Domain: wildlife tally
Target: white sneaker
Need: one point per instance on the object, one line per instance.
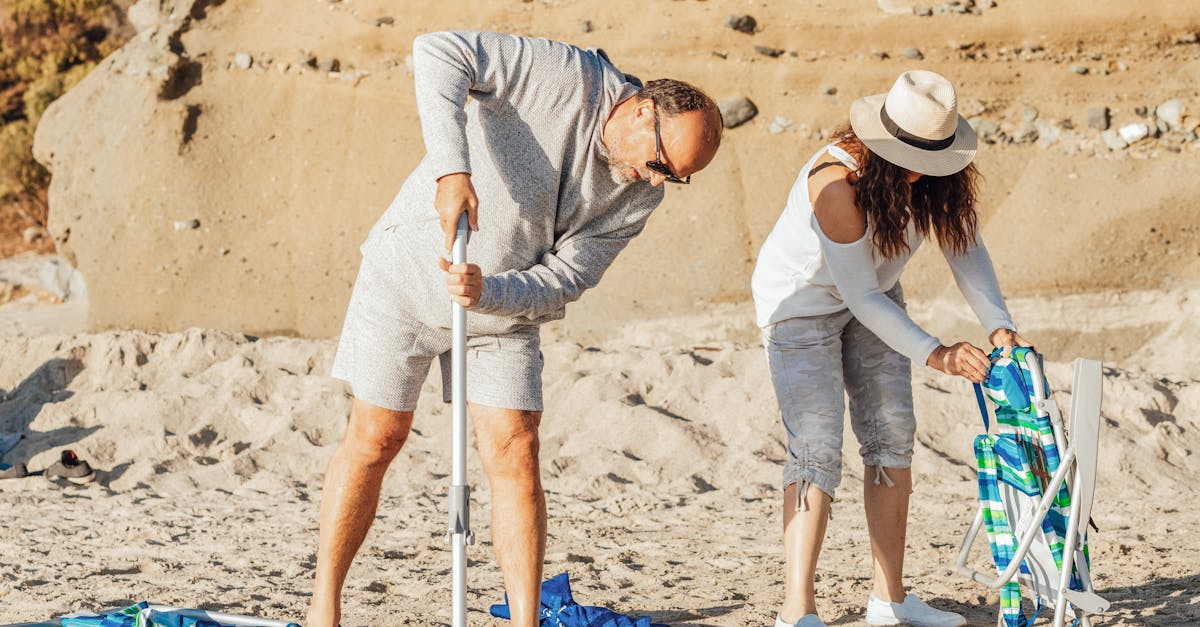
(912, 611)
(808, 620)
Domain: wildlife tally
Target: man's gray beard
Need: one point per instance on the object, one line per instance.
(617, 170)
(620, 173)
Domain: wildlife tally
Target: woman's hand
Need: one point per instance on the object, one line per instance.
(962, 359)
(1007, 339)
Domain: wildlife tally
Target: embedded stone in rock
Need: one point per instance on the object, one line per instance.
(62, 279)
(1048, 133)
(243, 60)
(1098, 118)
(896, 7)
(1134, 132)
(736, 111)
(1025, 133)
(913, 53)
(985, 128)
(35, 233)
(1113, 140)
(1171, 112)
(769, 51)
(742, 23)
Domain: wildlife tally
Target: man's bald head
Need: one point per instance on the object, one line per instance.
(673, 98)
(689, 126)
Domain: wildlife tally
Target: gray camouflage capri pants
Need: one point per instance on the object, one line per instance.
(814, 361)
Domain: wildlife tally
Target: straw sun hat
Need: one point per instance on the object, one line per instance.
(916, 125)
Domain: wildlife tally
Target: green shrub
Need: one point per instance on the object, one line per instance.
(20, 174)
(46, 47)
(43, 37)
(47, 89)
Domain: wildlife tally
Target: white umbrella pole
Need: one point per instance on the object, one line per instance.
(459, 533)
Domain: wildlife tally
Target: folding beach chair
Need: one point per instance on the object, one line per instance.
(1036, 488)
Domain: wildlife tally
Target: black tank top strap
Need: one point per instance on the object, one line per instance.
(822, 166)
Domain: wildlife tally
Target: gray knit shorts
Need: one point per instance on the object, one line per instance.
(385, 355)
(816, 360)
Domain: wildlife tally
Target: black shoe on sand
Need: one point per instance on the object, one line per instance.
(15, 471)
(71, 468)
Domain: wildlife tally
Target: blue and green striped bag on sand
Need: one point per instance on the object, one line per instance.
(1022, 455)
(142, 615)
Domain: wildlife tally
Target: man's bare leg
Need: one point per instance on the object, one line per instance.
(508, 447)
(349, 499)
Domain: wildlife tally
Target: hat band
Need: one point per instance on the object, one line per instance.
(912, 140)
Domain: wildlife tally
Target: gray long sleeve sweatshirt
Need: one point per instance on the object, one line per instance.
(551, 218)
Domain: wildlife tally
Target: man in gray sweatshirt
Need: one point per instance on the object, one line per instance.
(558, 161)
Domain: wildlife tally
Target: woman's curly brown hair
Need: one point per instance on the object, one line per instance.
(941, 205)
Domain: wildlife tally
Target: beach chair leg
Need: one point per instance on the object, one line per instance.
(1069, 555)
(965, 550)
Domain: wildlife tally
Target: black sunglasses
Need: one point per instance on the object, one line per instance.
(657, 165)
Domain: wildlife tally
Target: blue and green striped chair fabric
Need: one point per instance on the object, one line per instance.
(1023, 455)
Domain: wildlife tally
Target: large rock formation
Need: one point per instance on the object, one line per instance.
(221, 169)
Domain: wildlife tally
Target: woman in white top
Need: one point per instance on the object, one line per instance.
(827, 295)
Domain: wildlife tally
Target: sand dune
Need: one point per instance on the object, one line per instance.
(662, 454)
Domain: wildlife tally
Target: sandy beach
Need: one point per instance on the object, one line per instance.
(662, 457)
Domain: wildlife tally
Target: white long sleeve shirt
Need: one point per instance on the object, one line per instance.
(800, 272)
(551, 218)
